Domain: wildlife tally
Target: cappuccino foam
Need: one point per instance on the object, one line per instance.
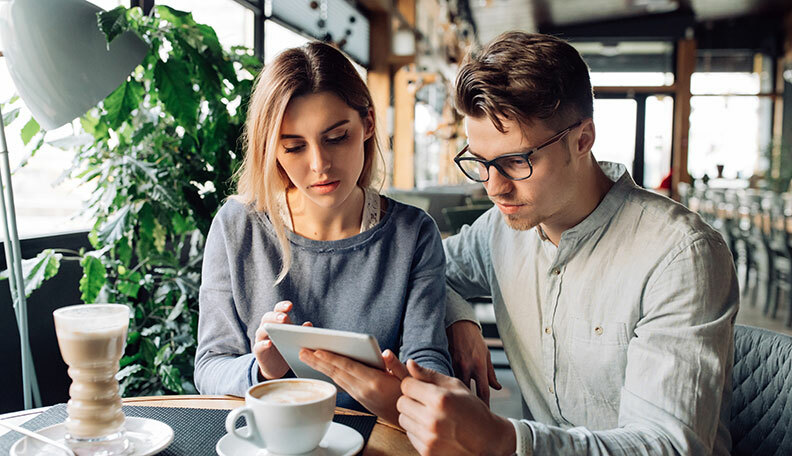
(295, 392)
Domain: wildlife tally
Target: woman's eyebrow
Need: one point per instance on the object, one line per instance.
(335, 125)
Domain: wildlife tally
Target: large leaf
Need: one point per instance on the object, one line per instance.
(29, 130)
(93, 279)
(120, 104)
(112, 23)
(174, 87)
(171, 378)
(127, 371)
(37, 270)
(175, 17)
(114, 228)
(130, 285)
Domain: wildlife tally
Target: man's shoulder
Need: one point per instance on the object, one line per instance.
(665, 218)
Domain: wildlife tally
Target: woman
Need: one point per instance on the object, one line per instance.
(307, 240)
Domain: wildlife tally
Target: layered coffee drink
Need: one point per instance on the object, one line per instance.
(293, 392)
(91, 339)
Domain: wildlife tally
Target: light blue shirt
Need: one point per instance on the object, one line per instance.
(621, 338)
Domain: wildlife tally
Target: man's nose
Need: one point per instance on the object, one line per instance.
(320, 160)
(497, 184)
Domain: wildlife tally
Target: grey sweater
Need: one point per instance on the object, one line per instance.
(387, 281)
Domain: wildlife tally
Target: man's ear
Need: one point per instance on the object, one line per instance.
(585, 138)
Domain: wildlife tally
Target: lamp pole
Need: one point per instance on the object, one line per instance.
(16, 277)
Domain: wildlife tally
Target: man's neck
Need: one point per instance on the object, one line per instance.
(593, 188)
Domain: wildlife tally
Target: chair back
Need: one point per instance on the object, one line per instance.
(761, 405)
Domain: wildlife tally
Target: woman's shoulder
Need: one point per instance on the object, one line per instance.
(406, 216)
(235, 210)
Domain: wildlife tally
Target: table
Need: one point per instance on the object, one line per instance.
(385, 439)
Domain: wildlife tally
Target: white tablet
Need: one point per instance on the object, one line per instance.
(289, 339)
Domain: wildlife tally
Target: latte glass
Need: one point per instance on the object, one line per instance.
(91, 338)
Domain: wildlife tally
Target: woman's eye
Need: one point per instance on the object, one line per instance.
(293, 149)
(338, 139)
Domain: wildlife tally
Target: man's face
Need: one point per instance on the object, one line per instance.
(543, 196)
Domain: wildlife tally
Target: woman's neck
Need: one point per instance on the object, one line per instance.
(325, 224)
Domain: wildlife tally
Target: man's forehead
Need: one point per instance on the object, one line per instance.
(483, 134)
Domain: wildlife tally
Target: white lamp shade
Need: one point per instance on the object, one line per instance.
(58, 57)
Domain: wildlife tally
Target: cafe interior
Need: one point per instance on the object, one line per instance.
(694, 97)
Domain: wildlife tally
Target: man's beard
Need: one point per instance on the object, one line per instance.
(518, 223)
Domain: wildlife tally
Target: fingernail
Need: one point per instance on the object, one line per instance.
(281, 317)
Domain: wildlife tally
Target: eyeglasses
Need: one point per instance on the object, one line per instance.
(515, 166)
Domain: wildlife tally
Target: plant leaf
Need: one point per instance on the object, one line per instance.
(171, 378)
(127, 371)
(112, 23)
(172, 79)
(130, 285)
(93, 279)
(38, 270)
(175, 17)
(10, 116)
(114, 228)
(29, 130)
(120, 104)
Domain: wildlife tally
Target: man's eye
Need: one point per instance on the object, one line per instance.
(516, 162)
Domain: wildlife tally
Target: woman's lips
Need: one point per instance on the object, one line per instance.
(325, 187)
(508, 208)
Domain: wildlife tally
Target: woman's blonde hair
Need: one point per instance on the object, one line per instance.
(313, 68)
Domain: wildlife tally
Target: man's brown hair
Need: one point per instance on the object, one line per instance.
(524, 77)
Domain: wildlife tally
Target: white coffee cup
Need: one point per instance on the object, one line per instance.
(287, 416)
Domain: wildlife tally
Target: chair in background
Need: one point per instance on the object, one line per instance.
(761, 405)
(459, 216)
(780, 259)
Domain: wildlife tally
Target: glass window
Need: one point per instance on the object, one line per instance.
(658, 139)
(615, 122)
(278, 38)
(44, 204)
(233, 23)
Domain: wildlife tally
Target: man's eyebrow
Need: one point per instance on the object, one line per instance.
(335, 125)
(524, 150)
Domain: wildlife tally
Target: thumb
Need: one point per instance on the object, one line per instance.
(423, 374)
(395, 366)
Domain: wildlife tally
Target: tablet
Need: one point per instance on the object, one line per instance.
(289, 339)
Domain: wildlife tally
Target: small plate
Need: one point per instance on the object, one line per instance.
(340, 440)
(146, 436)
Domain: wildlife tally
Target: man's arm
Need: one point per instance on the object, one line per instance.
(678, 364)
(467, 276)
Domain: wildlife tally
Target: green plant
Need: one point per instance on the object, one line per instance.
(161, 151)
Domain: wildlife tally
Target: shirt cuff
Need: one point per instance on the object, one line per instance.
(457, 309)
(524, 438)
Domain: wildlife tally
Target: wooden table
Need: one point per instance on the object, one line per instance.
(385, 439)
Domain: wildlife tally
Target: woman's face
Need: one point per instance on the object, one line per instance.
(321, 147)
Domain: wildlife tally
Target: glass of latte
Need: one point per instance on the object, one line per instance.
(91, 338)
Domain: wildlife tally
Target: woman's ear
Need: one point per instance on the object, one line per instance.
(369, 123)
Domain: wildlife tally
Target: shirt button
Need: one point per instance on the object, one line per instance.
(598, 330)
(550, 390)
(556, 271)
(548, 330)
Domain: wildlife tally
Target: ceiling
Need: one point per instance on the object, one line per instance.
(495, 16)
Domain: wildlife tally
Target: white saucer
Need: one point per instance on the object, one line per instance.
(146, 436)
(340, 440)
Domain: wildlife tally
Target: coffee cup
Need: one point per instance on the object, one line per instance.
(286, 416)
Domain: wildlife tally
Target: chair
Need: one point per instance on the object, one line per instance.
(761, 406)
(459, 216)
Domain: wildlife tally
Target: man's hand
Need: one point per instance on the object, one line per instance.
(377, 390)
(471, 357)
(271, 363)
(441, 416)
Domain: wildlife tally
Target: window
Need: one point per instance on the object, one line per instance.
(233, 23)
(628, 63)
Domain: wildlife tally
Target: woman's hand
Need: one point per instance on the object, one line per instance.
(377, 390)
(271, 363)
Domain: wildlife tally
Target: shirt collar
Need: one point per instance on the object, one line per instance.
(611, 203)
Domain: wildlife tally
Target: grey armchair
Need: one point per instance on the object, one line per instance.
(761, 408)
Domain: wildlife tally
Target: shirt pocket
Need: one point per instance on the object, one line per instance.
(597, 359)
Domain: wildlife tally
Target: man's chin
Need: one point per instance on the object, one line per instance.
(519, 223)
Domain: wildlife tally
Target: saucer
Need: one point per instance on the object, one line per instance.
(145, 435)
(340, 440)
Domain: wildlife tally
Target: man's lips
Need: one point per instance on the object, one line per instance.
(508, 208)
(325, 186)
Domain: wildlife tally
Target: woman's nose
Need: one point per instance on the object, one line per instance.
(320, 160)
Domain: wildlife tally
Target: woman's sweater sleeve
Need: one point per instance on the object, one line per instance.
(224, 363)
(424, 338)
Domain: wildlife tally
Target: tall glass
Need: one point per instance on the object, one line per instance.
(91, 339)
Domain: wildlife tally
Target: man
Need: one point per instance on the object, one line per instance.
(615, 305)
